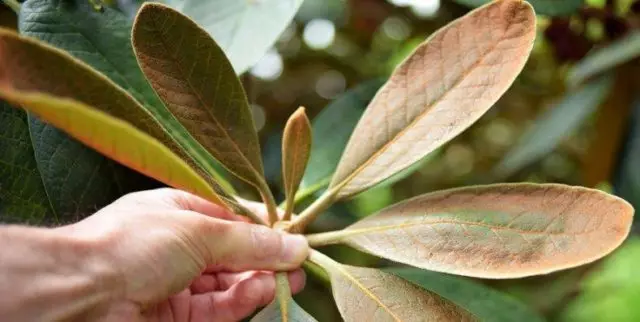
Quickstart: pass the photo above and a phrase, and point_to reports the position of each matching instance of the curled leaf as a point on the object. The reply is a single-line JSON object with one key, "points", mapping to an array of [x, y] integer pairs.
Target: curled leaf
{"points": [[494, 231], [440, 90], [296, 145]]}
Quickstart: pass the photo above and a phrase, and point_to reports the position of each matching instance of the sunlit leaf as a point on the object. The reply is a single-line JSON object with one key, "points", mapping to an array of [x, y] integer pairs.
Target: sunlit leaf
{"points": [[28, 65], [296, 145], [432, 97], [483, 302], [494, 231], [194, 78], [102, 39], [114, 138], [331, 130], [543, 7], [283, 308], [606, 58], [550, 128], [245, 30], [610, 291], [367, 294]]}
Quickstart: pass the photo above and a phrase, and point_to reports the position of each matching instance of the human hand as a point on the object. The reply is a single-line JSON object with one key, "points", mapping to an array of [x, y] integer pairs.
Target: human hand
{"points": [[176, 257]]}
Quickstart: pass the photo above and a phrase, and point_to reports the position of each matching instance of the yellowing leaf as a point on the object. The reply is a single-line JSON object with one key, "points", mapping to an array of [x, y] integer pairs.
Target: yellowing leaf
{"points": [[193, 77], [494, 231], [440, 90], [31, 66], [296, 146], [283, 308], [113, 138], [366, 294]]}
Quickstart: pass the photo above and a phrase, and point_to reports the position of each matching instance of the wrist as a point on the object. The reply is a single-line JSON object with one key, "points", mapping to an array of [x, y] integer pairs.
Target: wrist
{"points": [[52, 274]]}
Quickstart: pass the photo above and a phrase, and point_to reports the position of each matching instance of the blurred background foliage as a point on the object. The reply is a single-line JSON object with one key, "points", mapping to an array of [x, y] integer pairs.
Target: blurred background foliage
{"points": [[572, 116]]}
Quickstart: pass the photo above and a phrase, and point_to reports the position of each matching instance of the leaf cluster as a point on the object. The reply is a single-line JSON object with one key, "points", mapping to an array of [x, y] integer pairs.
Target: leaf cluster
{"points": [[202, 119]]}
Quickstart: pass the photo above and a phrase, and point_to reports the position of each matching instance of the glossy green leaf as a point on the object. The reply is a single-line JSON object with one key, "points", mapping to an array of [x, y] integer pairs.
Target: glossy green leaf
{"points": [[102, 39], [283, 308], [609, 292], [331, 130], [482, 301], [194, 78], [431, 97], [245, 30], [542, 7], [606, 58], [367, 294], [296, 145], [114, 138], [493, 231], [555, 124]]}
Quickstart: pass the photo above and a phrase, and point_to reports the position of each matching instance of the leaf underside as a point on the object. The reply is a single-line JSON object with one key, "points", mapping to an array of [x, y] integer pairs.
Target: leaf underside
{"points": [[193, 77], [366, 294], [296, 145], [283, 308], [496, 231], [432, 97]]}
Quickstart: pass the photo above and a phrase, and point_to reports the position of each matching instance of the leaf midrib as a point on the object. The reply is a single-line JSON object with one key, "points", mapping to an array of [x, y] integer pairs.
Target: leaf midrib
{"points": [[428, 108], [158, 32], [366, 291]]}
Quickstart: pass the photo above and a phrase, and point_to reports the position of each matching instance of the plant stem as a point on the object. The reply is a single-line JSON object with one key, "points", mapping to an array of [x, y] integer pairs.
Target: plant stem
{"points": [[317, 271], [316, 208], [327, 238], [13, 4], [251, 215], [270, 202], [322, 260], [283, 292]]}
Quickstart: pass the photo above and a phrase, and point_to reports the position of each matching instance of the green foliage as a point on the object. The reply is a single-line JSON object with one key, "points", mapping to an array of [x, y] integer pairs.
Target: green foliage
{"points": [[611, 291], [542, 7], [558, 122], [497, 231], [483, 302]]}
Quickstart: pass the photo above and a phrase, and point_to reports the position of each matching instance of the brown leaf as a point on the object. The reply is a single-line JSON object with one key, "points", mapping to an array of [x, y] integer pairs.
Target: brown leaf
{"points": [[194, 78], [366, 294], [494, 231], [440, 90], [296, 147]]}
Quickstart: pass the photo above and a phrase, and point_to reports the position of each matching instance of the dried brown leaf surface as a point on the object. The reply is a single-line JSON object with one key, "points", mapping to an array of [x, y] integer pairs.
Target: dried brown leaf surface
{"points": [[440, 90], [495, 231], [296, 148]]}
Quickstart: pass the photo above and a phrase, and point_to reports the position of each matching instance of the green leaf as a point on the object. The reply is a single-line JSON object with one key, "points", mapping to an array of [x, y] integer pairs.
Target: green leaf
{"points": [[283, 308], [610, 292], [296, 145], [113, 138], [542, 7], [493, 231], [606, 58], [367, 294], [483, 302], [555, 124], [431, 97], [194, 78], [245, 30], [102, 39]]}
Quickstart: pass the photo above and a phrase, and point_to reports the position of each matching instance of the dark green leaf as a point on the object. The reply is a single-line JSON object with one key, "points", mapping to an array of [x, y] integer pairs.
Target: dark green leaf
{"points": [[550, 128], [103, 41], [483, 302], [542, 7]]}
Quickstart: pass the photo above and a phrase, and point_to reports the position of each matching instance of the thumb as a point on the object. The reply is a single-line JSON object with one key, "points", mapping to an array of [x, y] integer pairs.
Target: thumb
{"points": [[240, 246]]}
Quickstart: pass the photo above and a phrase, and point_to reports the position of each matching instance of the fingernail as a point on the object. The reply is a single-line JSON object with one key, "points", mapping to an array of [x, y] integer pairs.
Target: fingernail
{"points": [[296, 248]]}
